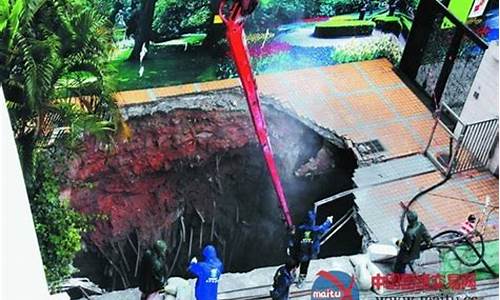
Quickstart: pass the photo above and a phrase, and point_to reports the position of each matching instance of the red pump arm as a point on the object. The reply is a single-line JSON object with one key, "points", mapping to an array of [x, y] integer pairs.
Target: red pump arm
{"points": [[236, 38]]}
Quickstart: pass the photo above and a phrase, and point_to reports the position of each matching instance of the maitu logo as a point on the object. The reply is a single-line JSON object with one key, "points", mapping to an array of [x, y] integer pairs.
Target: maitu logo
{"points": [[334, 285]]}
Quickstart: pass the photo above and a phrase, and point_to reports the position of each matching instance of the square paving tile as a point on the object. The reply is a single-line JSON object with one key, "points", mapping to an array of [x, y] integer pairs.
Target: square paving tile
{"points": [[370, 108], [347, 79], [380, 72], [397, 139], [405, 102], [343, 118]]}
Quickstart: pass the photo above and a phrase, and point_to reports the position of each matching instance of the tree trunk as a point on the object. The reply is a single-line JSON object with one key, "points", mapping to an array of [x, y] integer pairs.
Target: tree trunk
{"points": [[144, 30], [214, 31]]}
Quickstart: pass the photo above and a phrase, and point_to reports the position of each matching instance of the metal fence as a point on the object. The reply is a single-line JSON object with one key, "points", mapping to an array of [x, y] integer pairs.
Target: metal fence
{"points": [[477, 140], [468, 147]]}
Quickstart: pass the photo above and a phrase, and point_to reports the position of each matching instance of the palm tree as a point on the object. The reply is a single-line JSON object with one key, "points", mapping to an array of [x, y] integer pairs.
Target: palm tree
{"points": [[55, 75], [55, 57]]}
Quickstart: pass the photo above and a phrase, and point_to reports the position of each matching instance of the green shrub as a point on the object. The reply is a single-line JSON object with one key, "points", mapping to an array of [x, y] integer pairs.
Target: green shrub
{"points": [[338, 7], [270, 14], [58, 227], [388, 24], [386, 46], [172, 18], [343, 27], [198, 19]]}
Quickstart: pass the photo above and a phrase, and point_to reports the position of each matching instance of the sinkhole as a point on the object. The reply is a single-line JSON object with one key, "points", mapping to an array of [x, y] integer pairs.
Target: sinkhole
{"points": [[192, 173]]}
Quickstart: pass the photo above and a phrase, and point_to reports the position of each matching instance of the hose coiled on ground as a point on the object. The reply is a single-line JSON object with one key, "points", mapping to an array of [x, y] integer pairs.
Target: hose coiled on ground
{"points": [[461, 239]]}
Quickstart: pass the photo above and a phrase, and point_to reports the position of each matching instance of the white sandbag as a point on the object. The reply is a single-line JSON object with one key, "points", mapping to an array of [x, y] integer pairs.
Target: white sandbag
{"points": [[380, 251], [155, 296], [374, 271], [178, 288], [361, 271], [365, 270]]}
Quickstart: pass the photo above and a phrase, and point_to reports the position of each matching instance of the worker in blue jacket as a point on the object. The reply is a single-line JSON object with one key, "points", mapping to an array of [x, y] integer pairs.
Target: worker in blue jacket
{"points": [[208, 272], [307, 239]]}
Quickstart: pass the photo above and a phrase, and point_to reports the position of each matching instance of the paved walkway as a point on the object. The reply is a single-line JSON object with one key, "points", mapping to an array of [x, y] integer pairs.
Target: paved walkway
{"points": [[366, 101], [446, 207]]}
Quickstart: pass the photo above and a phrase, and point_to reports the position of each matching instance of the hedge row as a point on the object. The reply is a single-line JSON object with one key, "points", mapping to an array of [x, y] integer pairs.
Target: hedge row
{"points": [[336, 27], [388, 24]]}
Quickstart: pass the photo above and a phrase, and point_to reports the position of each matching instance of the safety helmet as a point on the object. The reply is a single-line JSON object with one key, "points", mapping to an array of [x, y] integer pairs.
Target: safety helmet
{"points": [[412, 217], [160, 246]]}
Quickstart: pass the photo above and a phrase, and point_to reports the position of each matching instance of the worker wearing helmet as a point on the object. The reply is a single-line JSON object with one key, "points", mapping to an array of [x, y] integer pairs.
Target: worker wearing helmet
{"points": [[307, 240], [208, 272], [409, 246]]}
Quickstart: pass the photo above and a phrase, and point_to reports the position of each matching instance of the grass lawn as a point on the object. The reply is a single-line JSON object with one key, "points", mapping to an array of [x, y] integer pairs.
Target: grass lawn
{"points": [[163, 67]]}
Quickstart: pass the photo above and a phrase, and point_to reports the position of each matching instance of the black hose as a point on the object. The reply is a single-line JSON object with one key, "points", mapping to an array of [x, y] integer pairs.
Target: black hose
{"points": [[437, 113], [480, 255], [463, 238], [418, 195]]}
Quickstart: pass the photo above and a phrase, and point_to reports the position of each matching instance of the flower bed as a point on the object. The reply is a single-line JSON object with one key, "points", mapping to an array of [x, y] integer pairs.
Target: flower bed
{"points": [[268, 49], [386, 46]]}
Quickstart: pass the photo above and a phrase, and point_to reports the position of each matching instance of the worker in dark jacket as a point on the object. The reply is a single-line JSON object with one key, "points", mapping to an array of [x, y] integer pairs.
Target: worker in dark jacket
{"points": [[153, 270], [283, 279], [409, 246], [308, 238], [208, 272]]}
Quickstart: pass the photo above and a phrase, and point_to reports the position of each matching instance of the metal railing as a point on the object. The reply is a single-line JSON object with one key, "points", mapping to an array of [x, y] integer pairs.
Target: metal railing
{"points": [[478, 139], [469, 145]]}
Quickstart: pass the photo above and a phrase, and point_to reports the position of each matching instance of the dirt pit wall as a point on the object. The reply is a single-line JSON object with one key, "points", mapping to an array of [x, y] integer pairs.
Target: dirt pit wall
{"points": [[192, 173]]}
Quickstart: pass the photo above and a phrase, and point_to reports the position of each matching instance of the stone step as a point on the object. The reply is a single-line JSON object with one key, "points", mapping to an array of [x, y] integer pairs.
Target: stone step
{"points": [[393, 169]]}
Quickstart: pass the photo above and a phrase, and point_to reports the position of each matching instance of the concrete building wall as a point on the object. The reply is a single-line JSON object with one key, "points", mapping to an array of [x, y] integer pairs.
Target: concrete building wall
{"points": [[482, 101], [21, 272]]}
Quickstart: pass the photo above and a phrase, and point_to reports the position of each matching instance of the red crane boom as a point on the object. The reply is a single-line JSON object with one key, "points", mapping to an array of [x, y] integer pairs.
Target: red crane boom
{"points": [[235, 36]]}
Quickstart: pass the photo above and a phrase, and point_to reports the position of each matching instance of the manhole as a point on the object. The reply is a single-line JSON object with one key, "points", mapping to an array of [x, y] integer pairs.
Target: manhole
{"points": [[370, 147]]}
